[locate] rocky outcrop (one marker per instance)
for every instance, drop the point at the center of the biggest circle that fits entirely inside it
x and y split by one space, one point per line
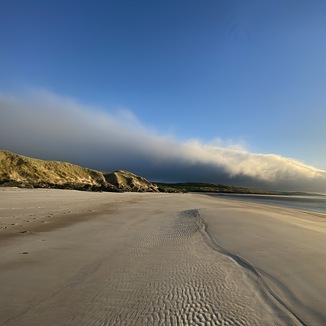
21 171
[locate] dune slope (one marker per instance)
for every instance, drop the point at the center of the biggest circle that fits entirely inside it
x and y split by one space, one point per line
22 171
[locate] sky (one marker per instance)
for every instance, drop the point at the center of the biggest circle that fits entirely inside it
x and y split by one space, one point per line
216 91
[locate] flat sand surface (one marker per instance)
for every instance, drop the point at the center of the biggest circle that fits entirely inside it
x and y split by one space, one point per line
81 258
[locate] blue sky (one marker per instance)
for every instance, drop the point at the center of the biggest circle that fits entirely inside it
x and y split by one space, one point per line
239 74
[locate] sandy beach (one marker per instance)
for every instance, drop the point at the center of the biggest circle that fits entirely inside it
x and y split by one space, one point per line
82 258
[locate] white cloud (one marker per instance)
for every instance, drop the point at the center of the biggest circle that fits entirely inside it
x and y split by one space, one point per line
43 124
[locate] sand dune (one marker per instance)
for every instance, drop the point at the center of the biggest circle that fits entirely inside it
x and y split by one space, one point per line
156 259
27 172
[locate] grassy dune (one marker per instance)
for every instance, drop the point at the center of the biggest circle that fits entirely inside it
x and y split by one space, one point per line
22 171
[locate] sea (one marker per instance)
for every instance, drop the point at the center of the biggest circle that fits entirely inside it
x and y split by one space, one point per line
314 203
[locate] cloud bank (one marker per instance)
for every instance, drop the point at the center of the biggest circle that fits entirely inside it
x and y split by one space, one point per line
48 126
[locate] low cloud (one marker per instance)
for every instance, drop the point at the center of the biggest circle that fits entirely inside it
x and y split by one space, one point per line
48 126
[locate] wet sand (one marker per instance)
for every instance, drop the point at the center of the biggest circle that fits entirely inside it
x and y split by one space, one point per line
78 258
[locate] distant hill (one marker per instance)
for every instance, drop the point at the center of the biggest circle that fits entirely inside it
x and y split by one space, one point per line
22 171
218 188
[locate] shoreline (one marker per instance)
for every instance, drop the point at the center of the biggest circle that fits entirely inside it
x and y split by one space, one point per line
140 248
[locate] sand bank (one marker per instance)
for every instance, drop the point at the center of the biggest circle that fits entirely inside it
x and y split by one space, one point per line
76 258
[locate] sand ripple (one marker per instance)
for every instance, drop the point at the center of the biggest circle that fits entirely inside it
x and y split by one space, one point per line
170 276
162 270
